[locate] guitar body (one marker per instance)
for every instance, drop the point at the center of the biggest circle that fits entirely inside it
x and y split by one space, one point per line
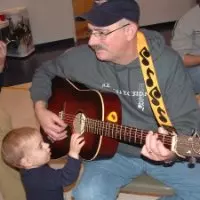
72 98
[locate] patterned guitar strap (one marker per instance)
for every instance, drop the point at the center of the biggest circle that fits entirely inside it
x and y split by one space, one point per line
151 82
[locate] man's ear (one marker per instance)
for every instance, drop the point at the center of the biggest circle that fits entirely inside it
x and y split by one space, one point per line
25 163
131 31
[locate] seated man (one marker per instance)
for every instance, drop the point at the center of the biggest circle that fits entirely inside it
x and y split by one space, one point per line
186 40
117 54
10 182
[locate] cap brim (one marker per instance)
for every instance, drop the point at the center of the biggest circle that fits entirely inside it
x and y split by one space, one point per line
100 18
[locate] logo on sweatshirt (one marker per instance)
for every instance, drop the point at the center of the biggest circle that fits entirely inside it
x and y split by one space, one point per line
139 94
140 100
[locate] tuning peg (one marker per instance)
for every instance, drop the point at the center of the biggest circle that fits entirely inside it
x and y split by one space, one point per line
192 161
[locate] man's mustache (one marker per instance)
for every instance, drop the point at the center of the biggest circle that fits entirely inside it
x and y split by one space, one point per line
98 47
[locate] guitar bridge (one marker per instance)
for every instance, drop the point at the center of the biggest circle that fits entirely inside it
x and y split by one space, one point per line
61 115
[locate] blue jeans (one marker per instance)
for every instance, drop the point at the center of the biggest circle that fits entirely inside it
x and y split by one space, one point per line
194 73
102 179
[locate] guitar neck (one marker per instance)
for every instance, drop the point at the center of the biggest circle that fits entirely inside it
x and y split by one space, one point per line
122 133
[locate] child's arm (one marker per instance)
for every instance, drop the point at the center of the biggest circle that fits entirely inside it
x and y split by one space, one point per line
50 179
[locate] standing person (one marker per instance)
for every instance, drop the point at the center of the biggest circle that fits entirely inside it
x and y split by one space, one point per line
112 62
3 51
25 149
186 40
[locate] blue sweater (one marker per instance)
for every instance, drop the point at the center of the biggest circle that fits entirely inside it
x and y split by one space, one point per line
47 183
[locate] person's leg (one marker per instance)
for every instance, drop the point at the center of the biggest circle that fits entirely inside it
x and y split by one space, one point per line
10 181
101 180
185 181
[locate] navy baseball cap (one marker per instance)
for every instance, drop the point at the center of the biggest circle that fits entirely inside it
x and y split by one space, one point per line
107 12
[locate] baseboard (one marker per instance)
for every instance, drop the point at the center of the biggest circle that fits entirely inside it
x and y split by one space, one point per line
66 43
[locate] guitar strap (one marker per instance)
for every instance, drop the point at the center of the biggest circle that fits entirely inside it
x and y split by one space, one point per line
151 82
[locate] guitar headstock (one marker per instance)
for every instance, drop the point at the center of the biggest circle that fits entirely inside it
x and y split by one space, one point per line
187 146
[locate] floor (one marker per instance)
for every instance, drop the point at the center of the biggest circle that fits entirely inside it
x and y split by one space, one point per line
21 70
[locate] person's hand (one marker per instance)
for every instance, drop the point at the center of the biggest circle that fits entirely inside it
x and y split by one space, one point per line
3 52
52 125
76 143
154 148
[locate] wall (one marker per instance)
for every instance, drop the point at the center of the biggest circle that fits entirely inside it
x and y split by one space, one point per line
50 20
53 20
159 11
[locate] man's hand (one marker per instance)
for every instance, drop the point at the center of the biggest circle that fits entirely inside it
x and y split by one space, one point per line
3 52
53 126
154 148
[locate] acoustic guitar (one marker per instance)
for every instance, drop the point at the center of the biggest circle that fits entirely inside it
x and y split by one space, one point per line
97 116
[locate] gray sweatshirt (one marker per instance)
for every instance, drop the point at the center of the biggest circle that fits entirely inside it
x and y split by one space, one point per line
80 64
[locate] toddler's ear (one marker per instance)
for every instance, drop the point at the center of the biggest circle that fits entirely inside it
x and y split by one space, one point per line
25 163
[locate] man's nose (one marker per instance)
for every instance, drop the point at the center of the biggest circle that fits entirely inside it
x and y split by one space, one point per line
93 40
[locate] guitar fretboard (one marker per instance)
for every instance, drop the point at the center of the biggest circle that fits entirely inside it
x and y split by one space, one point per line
123 133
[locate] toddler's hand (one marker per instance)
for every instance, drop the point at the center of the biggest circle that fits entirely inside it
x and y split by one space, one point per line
76 143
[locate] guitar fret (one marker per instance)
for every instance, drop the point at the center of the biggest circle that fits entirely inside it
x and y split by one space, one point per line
110 129
102 127
113 126
120 133
99 128
96 127
130 135
141 136
163 138
135 136
125 134
116 132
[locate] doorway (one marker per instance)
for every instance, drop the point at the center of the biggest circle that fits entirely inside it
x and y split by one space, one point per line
80 7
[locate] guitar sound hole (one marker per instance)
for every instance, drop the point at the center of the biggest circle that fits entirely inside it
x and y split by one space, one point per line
79 123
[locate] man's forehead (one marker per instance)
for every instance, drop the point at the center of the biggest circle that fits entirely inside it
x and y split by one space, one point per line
91 26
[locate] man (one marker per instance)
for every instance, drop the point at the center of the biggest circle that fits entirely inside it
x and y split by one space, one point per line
112 63
186 40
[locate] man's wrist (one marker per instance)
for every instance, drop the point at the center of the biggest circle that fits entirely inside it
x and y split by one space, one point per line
170 161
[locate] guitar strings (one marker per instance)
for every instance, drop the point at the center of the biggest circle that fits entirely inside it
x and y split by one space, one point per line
97 124
141 134
91 123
